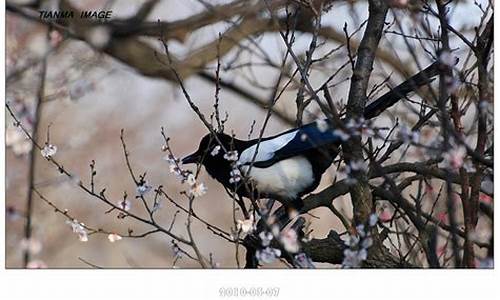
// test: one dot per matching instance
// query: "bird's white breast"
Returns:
(285, 178)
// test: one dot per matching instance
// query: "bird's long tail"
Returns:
(390, 98)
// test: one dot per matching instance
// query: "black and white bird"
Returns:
(288, 165)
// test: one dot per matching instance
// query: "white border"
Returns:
(199, 284)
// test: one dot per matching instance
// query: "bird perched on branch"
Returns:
(288, 165)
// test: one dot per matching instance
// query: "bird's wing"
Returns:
(266, 148)
(290, 143)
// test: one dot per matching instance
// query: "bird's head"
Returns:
(209, 148)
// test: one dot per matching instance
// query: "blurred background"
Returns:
(89, 96)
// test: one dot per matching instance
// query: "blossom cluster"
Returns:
(79, 228)
(196, 189)
(360, 127)
(287, 238)
(15, 138)
(235, 174)
(353, 127)
(448, 61)
(353, 167)
(358, 244)
(407, 135)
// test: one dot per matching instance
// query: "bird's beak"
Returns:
(191, 159)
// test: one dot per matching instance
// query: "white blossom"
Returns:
(215, 150)
(361, 127)
(351, 124)
(231, 155)
(469, 167)
(235, 175)
(113, 237)
(353, 258)
(143, 188)
(98, 36)
(366, 131)
(268, 255)
(15, 138)
(124, 204)
(372, 221)
(358, 165)
(289, 240)
(79, 229)
(177, 251)
(358, 244)
(157, 206)
(352, 240)
(197, 190)
(266, 237)
(173, 168)
(367, 243)
(303, 261)
(448, 59)
(48, 150)
(408, 136)
(322, 125)
(247, 225)
(361, 230)
(344, 136)
(191, 180)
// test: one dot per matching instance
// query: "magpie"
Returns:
(290, 164)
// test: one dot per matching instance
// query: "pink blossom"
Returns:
(443, 217)
(483, 198)
(268, 255)
(441, 250)
(385, 215)
(36, 264)
(454, 158)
